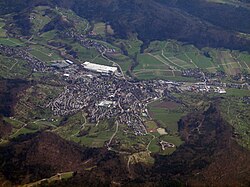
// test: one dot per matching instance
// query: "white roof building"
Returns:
(99, 68)
(69, 61)
(105, 103)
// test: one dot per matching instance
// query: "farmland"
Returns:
(82, 25)
(163, 57)
(13, 68)
(39, 18)
(10, 42)
(131, 45)
(166, 114)
(44, 54)
(99, 28)
(2, 30)
(77, 129)
(153, 67)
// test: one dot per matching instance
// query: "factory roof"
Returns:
(99, 68)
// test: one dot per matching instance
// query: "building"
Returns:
(60, 64)
(100, 68)
(66, 75)
(105, 103)
(69, 62)
(221, 90)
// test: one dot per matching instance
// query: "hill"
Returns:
(208, 140)
(203, 23)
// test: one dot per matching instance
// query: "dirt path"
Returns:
(190, 60)
(150, 142)
(112, 137)
(13, 64)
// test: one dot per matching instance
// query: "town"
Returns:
(103, 93)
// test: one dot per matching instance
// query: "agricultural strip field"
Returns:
(227, 62)
(76, 129)
(44, 54)
(178, 56)
(39, 18)
(80, 23)
(237, 114)
(13, 68)
(152, 67)
(10, 42)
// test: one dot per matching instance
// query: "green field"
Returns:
(168, 119)
(32, 103)
(44, 54)
(151, 125)
(237, 92)
(151, 67)
(95, 136)
(161, 56)
(237, 113)
(11, 42)
(165, 59)
(46, 37)
(167, 116)
(131, 45)
(99, 28)
(129, 142)
(2, 30)
(102, 29)
(22, 132)
(100, 60)
(155, 146)
(80, 24)
(83, 53)
(123, 61)
(147, 61)
(39, 18)
(15, 123)
(13, 68)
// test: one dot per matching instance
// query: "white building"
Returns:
(66, 75)
(106, 103)
(69, 61)
(100, 68)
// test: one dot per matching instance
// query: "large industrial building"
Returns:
(100, 68)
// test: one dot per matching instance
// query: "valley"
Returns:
(173, 104)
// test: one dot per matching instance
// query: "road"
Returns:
(114, 63)
(82, 126)
(13, 135)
